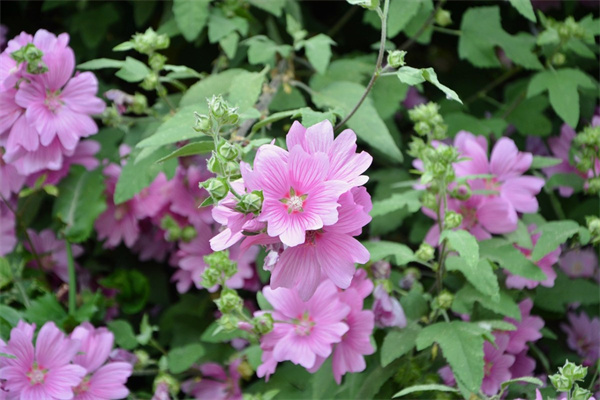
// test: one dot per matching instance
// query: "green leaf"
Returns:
(562, 88)
(133, 70)
(207, 87)
(311, 117)
(397, 201)
(125, 46)
(413, 76)
(528, 117)
(465, 243)
(399, 15)
(214, 334)
(566, 291)
(220, 26)
(6, 275)
(568, 180)
(458, 121)
(191, 17)
(141, 170)
(399, 342)
(521, 236)
(275, 7)
(523, 379)
(101, 63)
(524, 8)
(554, 234)
(124, 335)
(182, 358)
(481, 33)
(253, 354)
(190, 149)
(44, 309)
(245, 89)
(387, 93)
(262, 50)
(132, 286)
(229, 44)
(462, 345)
(496, 325)
(382, 249)
(367, 124)
(544, 162)
(318, 51)
(481, 275)
(468, 295)
(415, 303)
(511, 259)
(432, 387)
(10, 315)
(80, 202)
(262, 301)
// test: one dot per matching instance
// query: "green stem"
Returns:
(446, 30)
(72, 279)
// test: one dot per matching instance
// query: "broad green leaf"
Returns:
(413, 76)
(207, 87)
(310, 117)
(432, 387)
(468, 295)
(132, 286)
(287, 99)
(397, 201)
(511, 259)
(318, 51)
(229, 44)
(191, 17)
(262, 301)
(214, 334)
(480, 275)
(544, 162)
(465, 122)
(481, 33)
(367, 124)
(553, 235)
(262, 50)
(275, 7)
(524, 8)
(133, 70)
(415, 303)
(562, 87)
(10, 315)
(521, 236)
(80, 202)
(567, 291)
(400, 14)
(528, 117)
(571, 180)
(182, 358)
(465, 243)
(190, 149)
(356, 70)
(523, 379)
(399, 342)
(44, 309)
(220, 26)
(387, 93)
(124, 335)
(462, 346)
(245, 89)
(101, 63)
(382, 249)
(140, 172)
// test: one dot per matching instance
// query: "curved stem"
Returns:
(377, 71)
(72, 279)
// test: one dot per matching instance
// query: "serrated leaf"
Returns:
(510, 258)
(220, 26)
(318, 51)
(432, 387)
(246, 89)
(480, 275)
(399, 342)
(462, 346)
(397, 201)
(468, 295)
(207, 87)
(524, 8)
(191, 17)
(190, 149)
(553, 235)
(101, 63)
(124, 335)
(44, 309)
(182, 358)
(465, 243)
(133, 70)
(382, 249)
(80, 202)
(566, 291)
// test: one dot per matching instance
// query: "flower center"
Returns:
(469, 215)
(492, 184)
(36, 375)
(53, 101)
(294, 201)
(83, 387)
(304, 325)
(487, 369)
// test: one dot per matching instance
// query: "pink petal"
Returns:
(337, 254)
(80, 94)
(296, 136)
(319, 137)
(497, 215)
(521, 192)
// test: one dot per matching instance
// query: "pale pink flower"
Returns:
(151, 243)
(297, 195)
(103, 380)
(497, 365)
(387, 309)
(344, 163)
(186, 197)
(307, 329)
(52, 253)
(579, 263)
(545, 264)
(43, 372)
(11, 181)
(120, 99)
(583, 336)
(447, 376)
(528, 328)
(215, 382)
(8, 233)
(161, 392)
(10, 72)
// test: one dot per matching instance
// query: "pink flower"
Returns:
(528, 329)
(331, 250)
(161, 392)
(52, 253)
(8, 234)
(43, 372)
(545, 264)
(413, 98)
(12, 181)
(387, 309)
(507, 164)
(447, 376)
(523, 365)
(186, 197)
(579, 263)
(344, 163)
(215, 383)
(583, 336)
(307, 329)
(121, 99)
(497, 365)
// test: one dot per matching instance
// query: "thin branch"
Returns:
(409, 42)
(501, 79)
(383, 15)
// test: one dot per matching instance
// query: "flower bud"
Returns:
(229, 301)
(139, 104)
(149, 41)
(250, 203)
(203, 123)
(452, 220)
(442, 17)
(245, 370)
(245, 326)
(157, 61)
(217, 188)
(232, 116)
(559, 59)
(211, 277)
(262, 324)
(171, 383)
(228, 322)
(429, 200)
(593, 225)
(593, 185)
(381, 269)
(425, 252)
(580, 393)
(228, 151)
(150, 82)
(143, 359)
(220, 261)
(410, 276)
(218, 107)
(188, 233)
(444, 300)
(560, 382)
(461, 192)
(395, 58)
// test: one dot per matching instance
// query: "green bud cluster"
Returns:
(461, 192)
(250, 202)
(566, 378)
(425, 252)
(452, 220)
(32, 56)
(149, 41)
(175, 232)
(169, 380)
(220, 110)
(217, 188)
(586, 150)
(262, 324)
(139, 104)
(229, 302)
(569, 28)
(444, 300)
(150, 82)
(219, 268)
(428, 121)
(395, 58)
(593, 225)
(111, 116)
(437, 165)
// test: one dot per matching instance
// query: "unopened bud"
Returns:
(211, 277)
(429, 200)
(143, 359)
(443, 17)
(452, 220)
(150, 82)
(228, 322)
(263, 323)
(203, 123)
(229, 301)
(461, 192)
(559, 59)
(395, 58)
(560, 382)
(444, 300)
(580, 393)
(188, 233)
(217, 188)
(217, 106)
(593, 185)
(168, 380)
(157, 61)
(139, 104)
(228, 151)
(425, 252)
(150, 41)
(250, 203)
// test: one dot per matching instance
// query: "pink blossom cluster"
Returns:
(313, 206)
(214, 382)
(508, 358)
(76, 366)
(138, 224)
(583, 336)
(508, 191)
(332, 322)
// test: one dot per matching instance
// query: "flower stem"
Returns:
(383, 15)
(72, 279)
